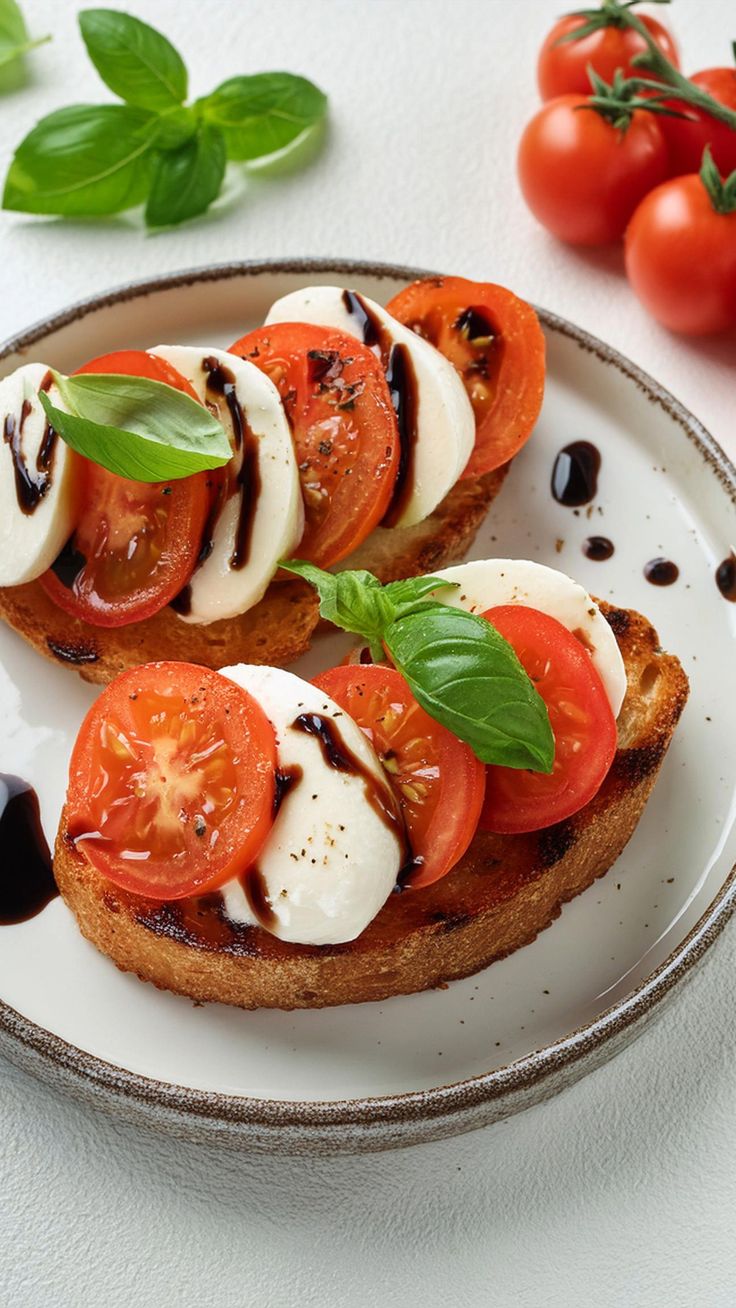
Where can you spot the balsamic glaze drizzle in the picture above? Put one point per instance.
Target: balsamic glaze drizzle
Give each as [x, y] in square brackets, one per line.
[598, 548]
[68, 565]
[286, 780]
[575, 474]
[256, 892]
[337, 754]
[221, 381]
[402, 385]
[726, 577]
[29, 489]
[26, 880]
[661, 572]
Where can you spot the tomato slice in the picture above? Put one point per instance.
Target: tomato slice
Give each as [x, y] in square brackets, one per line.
[136, 543]
[438, 781]
[172, 781]
[582, 721]
[345, 431]
[496, 344]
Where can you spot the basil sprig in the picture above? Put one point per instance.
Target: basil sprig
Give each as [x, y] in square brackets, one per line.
[459, 668]
[14, 38]
[92, 160]
[136, 427]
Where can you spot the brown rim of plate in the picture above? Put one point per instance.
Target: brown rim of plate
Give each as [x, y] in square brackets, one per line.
[524, 1079]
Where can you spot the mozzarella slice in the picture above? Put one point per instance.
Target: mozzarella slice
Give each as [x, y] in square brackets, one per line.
[243, 398]
[444, 426]
[39, 485]
[330, 861]
[488, 582]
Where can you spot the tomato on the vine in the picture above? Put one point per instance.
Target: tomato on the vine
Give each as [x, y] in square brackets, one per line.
[687, 137]
[582, 174]
[680, 253]
[562, 67]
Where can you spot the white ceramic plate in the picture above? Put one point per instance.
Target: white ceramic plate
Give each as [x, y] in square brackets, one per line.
[416, 1067]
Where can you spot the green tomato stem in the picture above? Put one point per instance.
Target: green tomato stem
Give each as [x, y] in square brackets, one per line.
[721, 192]
[657, 62]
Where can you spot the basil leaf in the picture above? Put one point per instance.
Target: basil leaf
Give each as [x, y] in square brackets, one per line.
[404, 594]
[133, 59]
[466, 676]
[135, 427]
[459, 668]
[355, 601]
[263, 113]
[14, 38]
[185, 181]
[86, 160]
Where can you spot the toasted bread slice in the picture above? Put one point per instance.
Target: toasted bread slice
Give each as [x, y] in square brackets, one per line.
[276, 631]
[500, 896]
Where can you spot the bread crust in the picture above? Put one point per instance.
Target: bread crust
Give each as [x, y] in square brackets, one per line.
[276, 631]
[499, 897]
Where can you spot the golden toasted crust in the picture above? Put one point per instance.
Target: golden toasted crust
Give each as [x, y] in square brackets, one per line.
[276, 631]
[500, 896]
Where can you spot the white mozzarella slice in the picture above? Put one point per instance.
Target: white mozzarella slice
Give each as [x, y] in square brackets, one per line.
[218, 589]
[488, 582]
[39, 485]
[330, 861]
[444, 426]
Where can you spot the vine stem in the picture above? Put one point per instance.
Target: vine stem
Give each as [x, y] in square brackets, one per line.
[657, 62]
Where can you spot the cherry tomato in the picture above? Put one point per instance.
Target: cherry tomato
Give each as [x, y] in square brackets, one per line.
[137, 542]
[681, 258]
[582, 721]
[172, 781]
[687, 137]
[496, 345]
[344, 428]
[438, 781]
[581, 176]
[562, 69]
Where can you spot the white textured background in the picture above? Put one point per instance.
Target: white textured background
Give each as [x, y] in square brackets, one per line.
[623, 1190]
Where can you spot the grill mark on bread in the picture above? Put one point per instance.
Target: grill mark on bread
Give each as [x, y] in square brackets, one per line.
[555, 842]
[633, 765]
[72, 653]
[618, 620]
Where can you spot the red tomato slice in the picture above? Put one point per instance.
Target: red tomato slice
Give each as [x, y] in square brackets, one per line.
[344, 428]
[582, 721]
[496, 344]
[438, 781]
[172, 781]
[136, 543]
